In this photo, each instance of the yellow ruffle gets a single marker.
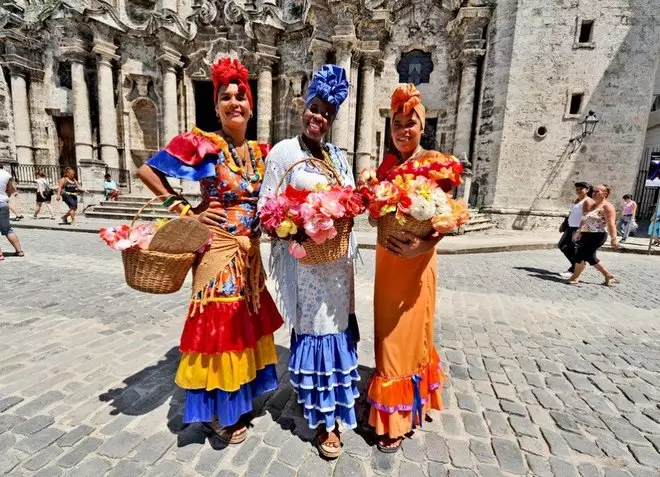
(227, 371)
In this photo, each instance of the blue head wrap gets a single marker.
(329, 84)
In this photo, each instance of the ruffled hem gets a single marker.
(399, 423)
(398, 394)
(323, 373)
(324, 355)
(224, 327)
(227, 371)
(343, 416)
(172, 166)
(228, 407)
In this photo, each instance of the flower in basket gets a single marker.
(299, 215)
(123, 237)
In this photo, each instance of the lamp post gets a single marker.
(589, 124)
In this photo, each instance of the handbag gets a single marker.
(564, 225)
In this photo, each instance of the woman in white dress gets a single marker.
(315, 299)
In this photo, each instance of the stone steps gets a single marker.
(126, 208)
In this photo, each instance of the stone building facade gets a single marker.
(506, 82)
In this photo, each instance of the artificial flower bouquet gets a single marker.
(158, 255)
(316, 223)
(414, 197)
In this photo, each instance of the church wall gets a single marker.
(615, 74)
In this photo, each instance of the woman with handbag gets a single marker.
(68, 189)
(408, 379)
(315, 299)
(228, 352)
(44, 195)
(571, 224)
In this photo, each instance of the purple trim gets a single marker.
(434, 386)
(393, 409)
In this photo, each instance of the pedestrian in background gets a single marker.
(597, 220)
(627, 224)
(67, 190)
(110, 187)
(44, 195)
(571, 225)
(7, 189)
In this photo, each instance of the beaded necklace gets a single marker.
(250, 178)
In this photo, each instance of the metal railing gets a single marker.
(26, 174)
(121, 176)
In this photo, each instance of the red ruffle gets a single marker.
(191, 148)
(223, 327)
(265, 149)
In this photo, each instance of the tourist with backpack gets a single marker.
(44, 195)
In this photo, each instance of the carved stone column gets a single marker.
(465, 114)
(19, 101)
(367, 94)
(319, 50)
(76, 53)
(344, 48)
(265, 93)
(169, 60)
(105, 54)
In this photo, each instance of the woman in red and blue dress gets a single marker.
(228, 352)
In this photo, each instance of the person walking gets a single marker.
(408, 379)
(316, 299)
(571, 225)
(227, 345)
(597, 221)
(626, 223)
(7, 189)
(67, 190)
(44, 195)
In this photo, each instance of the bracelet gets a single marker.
(170, 199)
(176, 203)
(185, 210)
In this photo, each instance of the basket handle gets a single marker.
(322, 165)
(149, 202)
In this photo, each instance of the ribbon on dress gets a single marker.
(418, 407)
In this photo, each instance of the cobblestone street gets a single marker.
(545, 379)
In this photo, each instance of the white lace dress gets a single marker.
(315, 300)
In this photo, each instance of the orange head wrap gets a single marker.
(406, 99)
(227, 71)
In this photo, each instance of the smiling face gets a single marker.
(233, 107)
(601, 192)
(406, 132)
(317, 119)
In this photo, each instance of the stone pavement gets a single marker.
(495, 240)
(545, 379)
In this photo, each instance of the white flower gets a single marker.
(439, 196)
(422, 209)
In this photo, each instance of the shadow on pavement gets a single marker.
(539, 271)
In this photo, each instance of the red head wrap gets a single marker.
(227, 71)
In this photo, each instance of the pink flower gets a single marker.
(320, 228)
(297, 250)
(330, 205)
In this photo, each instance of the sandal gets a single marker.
(2, 257)
(609, 281)
(387, 449)
(326, 447)
(230, 435)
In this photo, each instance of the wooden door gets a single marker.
(66, 141)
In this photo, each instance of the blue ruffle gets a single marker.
(323, 372)
(202, 405)
(171, 166)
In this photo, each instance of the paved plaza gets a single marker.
(545, 379)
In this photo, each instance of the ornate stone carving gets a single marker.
(206, 13)
(233, 13)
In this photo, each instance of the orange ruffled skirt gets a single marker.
(408, 378)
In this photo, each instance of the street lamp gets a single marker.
(589, 124)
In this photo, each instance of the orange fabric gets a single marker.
(404, 309)
(406, 99)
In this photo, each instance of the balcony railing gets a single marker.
(26, 174)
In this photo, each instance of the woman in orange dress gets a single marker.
(408, 378)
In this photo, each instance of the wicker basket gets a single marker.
(329, 250)
(162, 272)
(332, 249)
(388, 226)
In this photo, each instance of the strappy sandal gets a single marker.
(2, 257)
(229, 435)
(390, 450)
(20, 253)
(326, 449)
(609, 281)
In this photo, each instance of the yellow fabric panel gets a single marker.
(227, 371)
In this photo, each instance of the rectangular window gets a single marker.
(586, 31)
(576, 103)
